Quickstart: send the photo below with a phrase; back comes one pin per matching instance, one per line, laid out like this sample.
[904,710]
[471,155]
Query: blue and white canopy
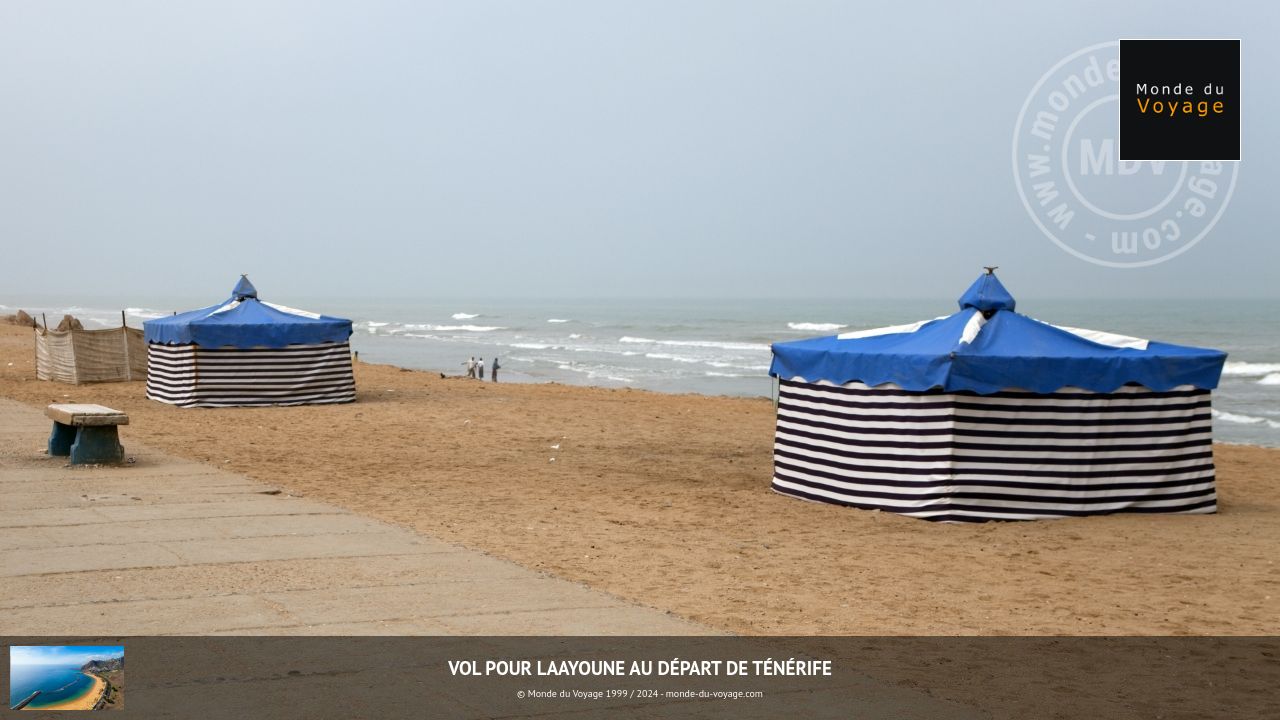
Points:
[244,321]
[987,347]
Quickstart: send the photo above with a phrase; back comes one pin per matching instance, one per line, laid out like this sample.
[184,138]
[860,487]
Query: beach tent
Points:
[988,414]
[247,352]
[87,356]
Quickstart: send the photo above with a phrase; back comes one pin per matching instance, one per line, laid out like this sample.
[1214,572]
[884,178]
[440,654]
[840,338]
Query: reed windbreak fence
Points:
[90,356]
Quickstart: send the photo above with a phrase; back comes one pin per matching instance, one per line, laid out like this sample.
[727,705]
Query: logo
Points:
[1180,99]
[1071,180]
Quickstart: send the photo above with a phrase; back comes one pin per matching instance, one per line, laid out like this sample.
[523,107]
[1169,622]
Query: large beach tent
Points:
[988,414]
[248,352]
[76,355]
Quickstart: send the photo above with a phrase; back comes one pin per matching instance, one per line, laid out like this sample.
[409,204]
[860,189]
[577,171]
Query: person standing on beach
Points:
[480,368]
[495,369]
[471,366]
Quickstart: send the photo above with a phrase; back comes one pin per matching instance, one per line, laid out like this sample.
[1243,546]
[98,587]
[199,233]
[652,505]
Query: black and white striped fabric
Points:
[194,376]
[1008,456]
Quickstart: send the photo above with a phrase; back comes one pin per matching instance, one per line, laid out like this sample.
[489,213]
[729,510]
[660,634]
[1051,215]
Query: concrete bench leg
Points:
[97,444]
[61,438]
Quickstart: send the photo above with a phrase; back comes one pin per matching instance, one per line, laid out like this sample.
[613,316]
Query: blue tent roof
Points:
[245,321]
[987,293]
[987,347]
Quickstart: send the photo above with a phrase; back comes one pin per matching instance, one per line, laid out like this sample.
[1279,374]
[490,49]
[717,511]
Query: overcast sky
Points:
[562,149]
[20,655]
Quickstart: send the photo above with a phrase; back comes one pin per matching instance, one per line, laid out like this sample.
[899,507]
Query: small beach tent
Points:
[90,356]
[247,352]
[991,415]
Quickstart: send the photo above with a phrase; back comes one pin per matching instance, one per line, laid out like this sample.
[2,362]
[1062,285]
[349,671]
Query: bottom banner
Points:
[646,677]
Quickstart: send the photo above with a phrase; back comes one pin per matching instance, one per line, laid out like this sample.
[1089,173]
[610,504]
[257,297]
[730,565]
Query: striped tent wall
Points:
[1007,456]
[194,376]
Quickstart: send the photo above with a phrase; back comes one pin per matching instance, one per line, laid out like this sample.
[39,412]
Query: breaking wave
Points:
[1248,369]
[1244,419]
[145,313]
[464,328]
[816,327]
[696,343]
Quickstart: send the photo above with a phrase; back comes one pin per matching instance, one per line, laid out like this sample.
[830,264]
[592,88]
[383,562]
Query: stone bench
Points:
[87,433]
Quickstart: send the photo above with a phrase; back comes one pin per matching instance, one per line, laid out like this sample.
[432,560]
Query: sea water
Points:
[721,347]
[56,683]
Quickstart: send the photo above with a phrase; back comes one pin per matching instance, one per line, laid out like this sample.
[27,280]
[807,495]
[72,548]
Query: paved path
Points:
[164,546]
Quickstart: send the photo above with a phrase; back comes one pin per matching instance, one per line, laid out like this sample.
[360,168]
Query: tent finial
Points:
[991,269]
[244,289]
[987,294]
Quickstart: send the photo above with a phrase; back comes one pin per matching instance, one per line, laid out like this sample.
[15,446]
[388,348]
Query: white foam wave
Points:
[596,372]
[1244,419]
[695,343]
[759,368]
[145,313]
[1248,369]
[816,327]
[531,346]
[464,328]
[557,320]
[1272,379]
[674,358]
[574,336]
[464,316]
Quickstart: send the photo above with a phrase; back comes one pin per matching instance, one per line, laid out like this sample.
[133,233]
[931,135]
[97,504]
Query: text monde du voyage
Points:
[674,667]
[1179,100]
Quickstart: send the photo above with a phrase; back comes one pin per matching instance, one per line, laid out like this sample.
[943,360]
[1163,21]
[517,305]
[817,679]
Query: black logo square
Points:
[1179,100]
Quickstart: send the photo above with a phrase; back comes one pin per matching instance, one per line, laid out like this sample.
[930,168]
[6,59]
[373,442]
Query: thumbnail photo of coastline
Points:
[66,677]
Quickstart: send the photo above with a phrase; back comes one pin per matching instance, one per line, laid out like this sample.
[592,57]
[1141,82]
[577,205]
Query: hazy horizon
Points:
[557,150]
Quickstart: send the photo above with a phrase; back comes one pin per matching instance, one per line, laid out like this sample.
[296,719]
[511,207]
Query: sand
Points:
[85,701]
[664,500]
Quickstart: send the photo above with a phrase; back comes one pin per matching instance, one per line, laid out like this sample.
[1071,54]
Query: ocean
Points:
[721,347]
[56,683]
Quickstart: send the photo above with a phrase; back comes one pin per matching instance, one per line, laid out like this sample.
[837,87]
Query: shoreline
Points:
[520,377]
[86,701]
[450,374]
[665,500]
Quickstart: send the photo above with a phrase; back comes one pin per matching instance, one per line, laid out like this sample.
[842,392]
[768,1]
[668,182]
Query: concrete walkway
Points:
[163,546]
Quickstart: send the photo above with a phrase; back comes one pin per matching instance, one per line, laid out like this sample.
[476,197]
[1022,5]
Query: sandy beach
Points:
[85,701]
[664,500]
